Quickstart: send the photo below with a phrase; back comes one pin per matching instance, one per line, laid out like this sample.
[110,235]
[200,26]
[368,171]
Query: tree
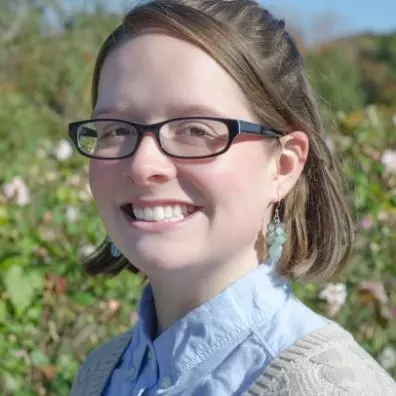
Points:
[336,81]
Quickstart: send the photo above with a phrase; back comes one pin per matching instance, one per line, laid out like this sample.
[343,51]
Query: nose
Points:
[149,165]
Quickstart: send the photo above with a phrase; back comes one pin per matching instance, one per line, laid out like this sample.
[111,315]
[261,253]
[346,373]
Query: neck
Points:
[177,295]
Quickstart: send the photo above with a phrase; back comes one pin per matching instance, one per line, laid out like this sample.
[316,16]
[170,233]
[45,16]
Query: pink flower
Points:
[335,295]
[388,159]
[113,305]
[367,222]
[75,180]
[17,191]
[62,150]
[376,289]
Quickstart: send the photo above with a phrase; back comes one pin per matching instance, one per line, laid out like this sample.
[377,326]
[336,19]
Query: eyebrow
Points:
[174,111]
[122,110]
[191,110]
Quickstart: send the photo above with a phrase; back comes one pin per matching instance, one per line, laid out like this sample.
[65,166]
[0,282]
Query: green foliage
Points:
[378,70]
[337,82]
[355,71]
[51,314]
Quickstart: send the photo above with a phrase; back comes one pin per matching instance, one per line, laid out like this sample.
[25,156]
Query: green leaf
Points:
[13,261]
[4,215]
[3,311]
[12,383]
[21,287]
[38,358]
[83,298]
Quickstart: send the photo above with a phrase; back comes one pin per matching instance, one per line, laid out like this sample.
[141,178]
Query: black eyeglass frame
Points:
[235,128]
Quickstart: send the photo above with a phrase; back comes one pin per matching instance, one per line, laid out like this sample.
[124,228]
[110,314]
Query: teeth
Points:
[161,213]
[168,212]
[177,211]
[148,214]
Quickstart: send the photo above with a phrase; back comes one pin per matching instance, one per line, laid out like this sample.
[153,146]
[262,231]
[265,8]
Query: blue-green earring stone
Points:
[113,249]
[276,237]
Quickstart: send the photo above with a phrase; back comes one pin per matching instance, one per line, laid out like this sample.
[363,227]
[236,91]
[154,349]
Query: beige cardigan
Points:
[326,362]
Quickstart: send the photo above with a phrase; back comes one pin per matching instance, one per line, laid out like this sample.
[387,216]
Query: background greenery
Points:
[51,314]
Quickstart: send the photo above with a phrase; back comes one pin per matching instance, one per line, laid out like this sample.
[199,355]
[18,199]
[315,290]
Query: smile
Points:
[159,213]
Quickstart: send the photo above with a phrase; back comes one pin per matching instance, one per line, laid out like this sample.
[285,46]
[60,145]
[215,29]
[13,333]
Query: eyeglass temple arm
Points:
[256,129]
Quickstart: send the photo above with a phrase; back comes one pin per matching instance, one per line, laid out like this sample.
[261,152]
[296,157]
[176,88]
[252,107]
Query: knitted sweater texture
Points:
[327,362]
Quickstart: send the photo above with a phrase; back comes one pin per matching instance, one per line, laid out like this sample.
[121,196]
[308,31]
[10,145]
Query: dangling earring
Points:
[113,248]
[276,236]
[114,251]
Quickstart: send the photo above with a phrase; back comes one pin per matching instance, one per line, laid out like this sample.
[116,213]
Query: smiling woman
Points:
[212,178]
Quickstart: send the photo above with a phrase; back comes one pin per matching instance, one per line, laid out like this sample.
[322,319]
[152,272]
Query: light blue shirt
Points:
[219,348]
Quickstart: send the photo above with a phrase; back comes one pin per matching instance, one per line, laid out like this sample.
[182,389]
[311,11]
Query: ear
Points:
[291,161]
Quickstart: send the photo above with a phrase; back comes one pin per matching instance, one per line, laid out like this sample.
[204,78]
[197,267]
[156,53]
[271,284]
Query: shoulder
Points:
[327,361]
[100,362]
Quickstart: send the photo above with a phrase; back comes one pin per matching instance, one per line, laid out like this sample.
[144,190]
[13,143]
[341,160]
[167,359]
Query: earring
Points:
[113,248]
[276,236]
[114,251]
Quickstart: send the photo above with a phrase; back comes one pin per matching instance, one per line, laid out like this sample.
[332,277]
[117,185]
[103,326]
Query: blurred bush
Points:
[51,314]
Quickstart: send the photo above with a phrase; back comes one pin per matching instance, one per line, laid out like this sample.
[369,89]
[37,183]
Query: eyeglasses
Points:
[189,137]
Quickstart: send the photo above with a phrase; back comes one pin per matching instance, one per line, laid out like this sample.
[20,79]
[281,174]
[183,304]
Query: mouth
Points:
[167,213]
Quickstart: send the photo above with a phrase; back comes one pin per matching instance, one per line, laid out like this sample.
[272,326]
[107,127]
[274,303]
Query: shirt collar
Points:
[229,316]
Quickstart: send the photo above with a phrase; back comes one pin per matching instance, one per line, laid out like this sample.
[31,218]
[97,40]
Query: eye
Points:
[114,130]
[195,130]
[121,131]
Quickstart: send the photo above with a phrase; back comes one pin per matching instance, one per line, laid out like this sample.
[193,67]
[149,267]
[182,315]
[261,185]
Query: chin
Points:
[166,261]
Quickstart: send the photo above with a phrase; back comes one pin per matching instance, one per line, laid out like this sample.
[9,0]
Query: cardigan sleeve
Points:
[340,368]
[81,379]
[97,367]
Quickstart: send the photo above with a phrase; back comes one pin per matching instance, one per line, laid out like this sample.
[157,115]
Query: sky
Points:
[319,20]
[336,17]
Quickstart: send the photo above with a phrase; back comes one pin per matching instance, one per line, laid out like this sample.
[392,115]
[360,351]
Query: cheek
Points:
[245,170]
[241,178]
[100,178]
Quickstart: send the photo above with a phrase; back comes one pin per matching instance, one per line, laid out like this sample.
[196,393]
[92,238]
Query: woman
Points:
[212,178]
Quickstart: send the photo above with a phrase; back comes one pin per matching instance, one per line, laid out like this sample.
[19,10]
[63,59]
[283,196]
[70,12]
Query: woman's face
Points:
[154,78]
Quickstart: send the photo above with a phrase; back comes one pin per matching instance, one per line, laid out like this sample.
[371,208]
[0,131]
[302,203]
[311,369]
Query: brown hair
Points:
[259,53]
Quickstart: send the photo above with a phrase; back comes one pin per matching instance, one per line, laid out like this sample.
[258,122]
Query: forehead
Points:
[153,75]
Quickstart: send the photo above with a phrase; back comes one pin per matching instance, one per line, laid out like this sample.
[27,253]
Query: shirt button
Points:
[166,382]
[132,372]
[149,354]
